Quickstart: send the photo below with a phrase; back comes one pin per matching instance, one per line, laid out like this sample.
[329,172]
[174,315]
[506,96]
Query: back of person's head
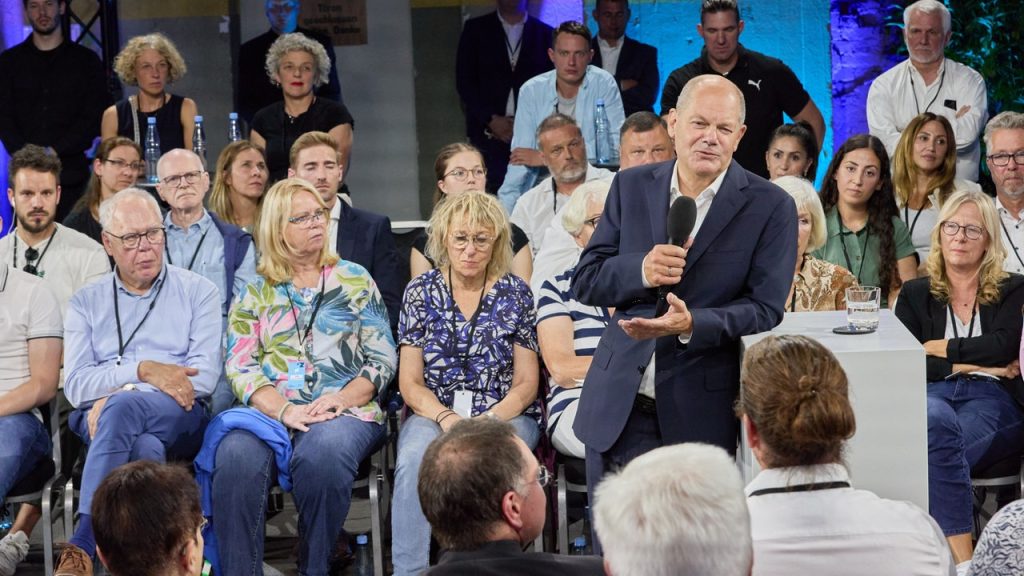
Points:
[465,474]
[795,393]
[675,511]
[146,517]
[998,550]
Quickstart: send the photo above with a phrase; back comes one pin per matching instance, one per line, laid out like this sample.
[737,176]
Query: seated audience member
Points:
[924,175]
[128,541]
[118,164]
[792,151]
[239,183]
[151,62]
[967,314]
[676,510]
[30,349]
[565,154]
[299,65]
[309,346]
[356,235]
[468,349]
[142,356]
[567,331]
[817,284]
[460,168]
[643,139]
[1004,144]
[863,232]
[999,547]
[482,491]
[805,517]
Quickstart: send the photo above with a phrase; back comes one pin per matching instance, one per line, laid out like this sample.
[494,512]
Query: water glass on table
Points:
[862,307]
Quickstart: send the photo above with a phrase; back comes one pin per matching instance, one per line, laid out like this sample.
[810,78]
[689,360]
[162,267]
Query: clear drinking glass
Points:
[862,307]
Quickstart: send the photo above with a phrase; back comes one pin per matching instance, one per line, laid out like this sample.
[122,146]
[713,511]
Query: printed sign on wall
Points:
[343,20]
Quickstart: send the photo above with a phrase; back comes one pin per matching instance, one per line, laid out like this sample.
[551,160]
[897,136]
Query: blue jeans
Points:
[325,462]
[410,531]
[23,443]
[972,424]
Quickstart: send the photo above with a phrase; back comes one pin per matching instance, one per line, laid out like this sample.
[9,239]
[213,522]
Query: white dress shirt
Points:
[1013,238]
[610,54]
[514,47]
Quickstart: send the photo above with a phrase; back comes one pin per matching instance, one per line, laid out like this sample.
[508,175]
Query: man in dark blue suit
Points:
[634,64]
[497,53]
[675,378]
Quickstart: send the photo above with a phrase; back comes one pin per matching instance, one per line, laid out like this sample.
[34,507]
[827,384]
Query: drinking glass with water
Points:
[862,307]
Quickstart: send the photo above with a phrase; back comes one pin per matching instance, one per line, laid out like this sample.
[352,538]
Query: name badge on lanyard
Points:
[463,403]
[296,374]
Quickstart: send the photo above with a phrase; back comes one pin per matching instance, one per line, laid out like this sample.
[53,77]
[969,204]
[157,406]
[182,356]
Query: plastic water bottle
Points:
[152,150]
[579,546]
[199,140]
[234,130]
[602,134]
[364,557]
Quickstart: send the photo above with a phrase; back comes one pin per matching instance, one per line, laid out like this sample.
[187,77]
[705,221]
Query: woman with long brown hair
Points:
[117,166]
[239,184]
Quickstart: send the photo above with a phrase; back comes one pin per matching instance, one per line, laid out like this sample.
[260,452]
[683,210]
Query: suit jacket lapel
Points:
[731,197]
[346,232]
[624,55]
[497,35]
[657,200]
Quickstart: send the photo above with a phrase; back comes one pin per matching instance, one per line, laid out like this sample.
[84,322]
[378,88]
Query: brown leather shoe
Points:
[73,561]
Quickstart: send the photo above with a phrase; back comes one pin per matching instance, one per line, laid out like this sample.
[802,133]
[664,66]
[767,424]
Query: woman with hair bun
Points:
[805,517]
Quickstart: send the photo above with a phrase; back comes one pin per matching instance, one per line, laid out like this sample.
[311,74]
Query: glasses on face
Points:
[119,164]
[31,255]
[543,476]
[131,241]
[309,219]
[972,232]
[461,174]
[480,241]
[1004,158]
[593,221]
[189,178]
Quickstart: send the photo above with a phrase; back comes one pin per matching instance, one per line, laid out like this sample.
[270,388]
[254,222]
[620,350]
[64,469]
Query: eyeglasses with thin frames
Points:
[480,242]
[950,228]
[131,241]
[309,219]
[188,178]
[593,221]
[119,164]
[462,175]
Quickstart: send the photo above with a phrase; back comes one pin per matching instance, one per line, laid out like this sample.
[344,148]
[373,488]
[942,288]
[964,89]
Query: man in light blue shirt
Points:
[142,356]
[572,88]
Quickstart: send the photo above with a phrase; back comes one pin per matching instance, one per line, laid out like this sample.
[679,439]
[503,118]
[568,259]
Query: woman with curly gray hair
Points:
[299,65]
[151,62]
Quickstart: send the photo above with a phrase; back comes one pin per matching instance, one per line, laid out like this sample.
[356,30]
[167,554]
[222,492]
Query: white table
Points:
[886,370]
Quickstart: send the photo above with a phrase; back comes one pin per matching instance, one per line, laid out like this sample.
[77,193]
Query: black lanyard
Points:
[1010,240]
[304,334]
[463,358]
[40,260]
[953,320]
[813,487]
[913,90]
[194,254]
[846,255]
[121,343]
[513,52]
[906,218]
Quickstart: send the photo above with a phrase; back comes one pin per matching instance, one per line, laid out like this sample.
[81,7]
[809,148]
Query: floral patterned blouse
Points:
[350,337]
[472,354]
[820,286]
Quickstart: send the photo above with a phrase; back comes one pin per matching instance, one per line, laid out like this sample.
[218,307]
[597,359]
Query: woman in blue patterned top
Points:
[568,331]
[468,349]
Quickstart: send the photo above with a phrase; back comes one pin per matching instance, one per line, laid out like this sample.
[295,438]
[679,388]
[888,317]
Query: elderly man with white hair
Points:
[927,81]
[142,356]
[677,510]
[568,331]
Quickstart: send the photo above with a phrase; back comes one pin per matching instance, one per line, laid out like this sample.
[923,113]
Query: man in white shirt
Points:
[1004,142]
[564,152]
[929,82]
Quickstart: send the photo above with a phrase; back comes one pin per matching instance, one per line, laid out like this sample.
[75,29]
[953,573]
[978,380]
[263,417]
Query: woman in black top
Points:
[299,65]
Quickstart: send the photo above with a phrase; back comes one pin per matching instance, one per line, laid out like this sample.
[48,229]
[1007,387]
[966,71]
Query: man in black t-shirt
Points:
[768,86]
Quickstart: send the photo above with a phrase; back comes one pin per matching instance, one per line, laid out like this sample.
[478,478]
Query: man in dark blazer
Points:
[634,64]
[497,53]
[674,378]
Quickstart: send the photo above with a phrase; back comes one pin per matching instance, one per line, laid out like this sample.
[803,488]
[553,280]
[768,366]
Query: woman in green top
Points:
[865,234]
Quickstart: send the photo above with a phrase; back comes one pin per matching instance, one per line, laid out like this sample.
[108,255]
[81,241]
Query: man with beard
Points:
[1004,143]
[564,152]
[52,93]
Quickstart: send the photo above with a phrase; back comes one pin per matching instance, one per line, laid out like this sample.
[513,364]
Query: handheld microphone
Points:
[682,217]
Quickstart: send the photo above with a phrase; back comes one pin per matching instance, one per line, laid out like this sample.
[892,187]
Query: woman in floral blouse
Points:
[468,350]
[308,345]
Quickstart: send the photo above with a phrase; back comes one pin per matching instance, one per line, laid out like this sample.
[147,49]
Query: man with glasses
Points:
[482,491]
[142,356]
[357,235]
[1004,144]
[571,89]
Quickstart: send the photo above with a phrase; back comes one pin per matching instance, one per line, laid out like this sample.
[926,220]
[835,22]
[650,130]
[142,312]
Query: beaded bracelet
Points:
[280,413]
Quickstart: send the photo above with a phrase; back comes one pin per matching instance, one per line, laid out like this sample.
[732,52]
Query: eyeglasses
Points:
[188,178]
[461,174]
[543,476]
[1004,158]
[131,241]
[481,242]
[972,232]
[119,164]
[309,219]
[593,221]
[31,255]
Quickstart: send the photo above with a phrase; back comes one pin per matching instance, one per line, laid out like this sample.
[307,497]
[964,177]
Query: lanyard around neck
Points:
[122,344]
[843,232]
[953,319]
[304,334]
[27,248]
[194,254]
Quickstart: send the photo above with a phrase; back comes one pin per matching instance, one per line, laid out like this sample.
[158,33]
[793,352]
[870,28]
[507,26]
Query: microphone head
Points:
[682,217]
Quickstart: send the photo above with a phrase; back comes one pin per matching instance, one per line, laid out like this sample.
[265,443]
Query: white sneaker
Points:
[13,549]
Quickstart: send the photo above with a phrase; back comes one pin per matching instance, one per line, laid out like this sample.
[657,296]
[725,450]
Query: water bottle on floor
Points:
[152,150]
[363,565]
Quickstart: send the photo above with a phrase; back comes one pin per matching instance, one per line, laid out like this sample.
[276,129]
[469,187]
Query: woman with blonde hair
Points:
[805,517]
[151,62]
[239,183]
[967,314]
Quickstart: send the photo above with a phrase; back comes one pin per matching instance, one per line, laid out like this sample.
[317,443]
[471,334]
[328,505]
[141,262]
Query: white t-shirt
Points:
[28,310]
